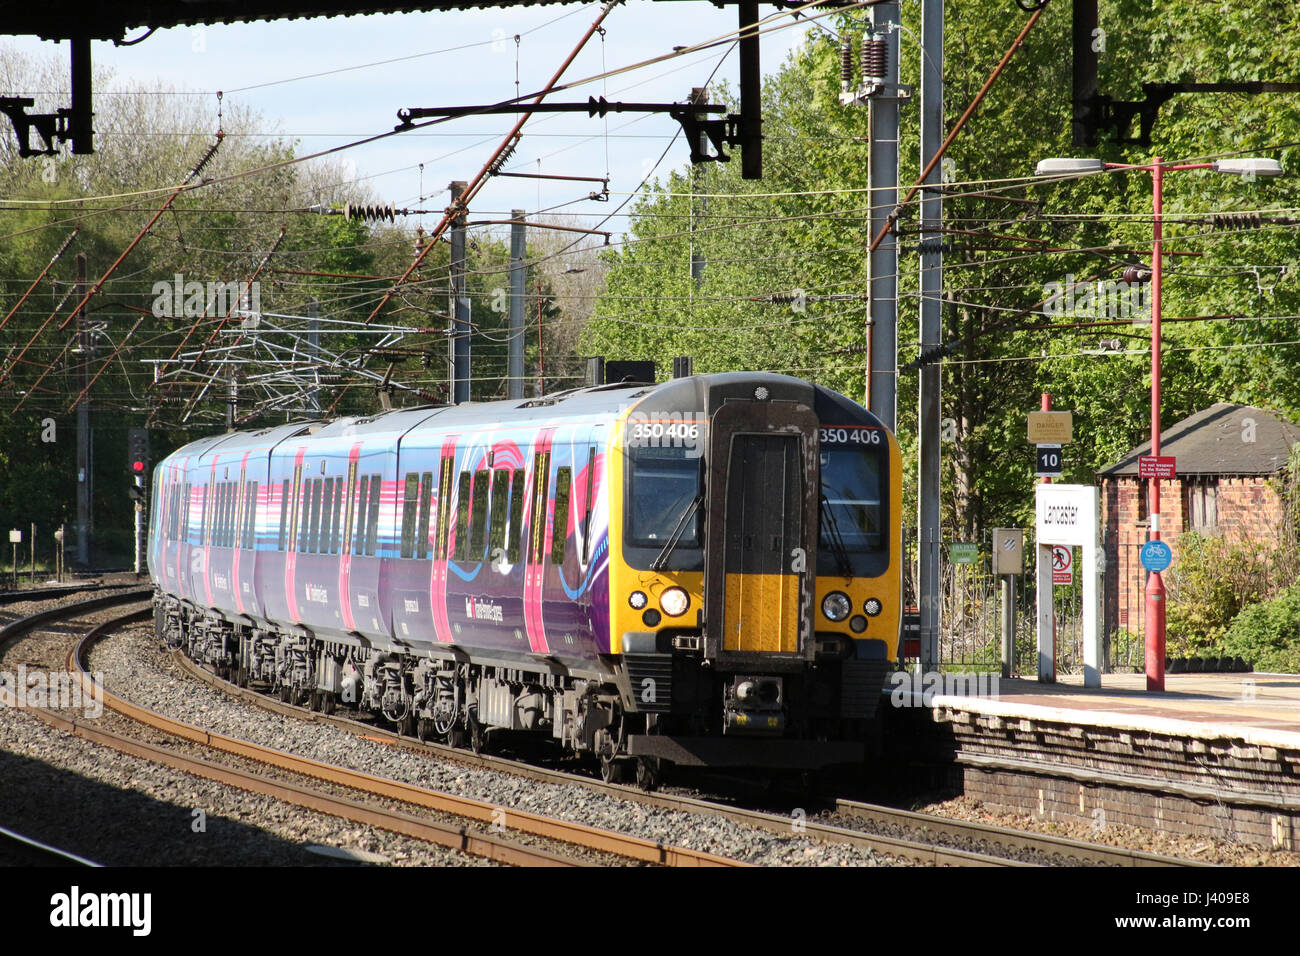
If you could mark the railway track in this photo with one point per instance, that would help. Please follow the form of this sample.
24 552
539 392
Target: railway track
17 849
924 851
463 837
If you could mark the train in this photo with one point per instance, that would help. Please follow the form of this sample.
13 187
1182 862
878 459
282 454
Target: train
703 572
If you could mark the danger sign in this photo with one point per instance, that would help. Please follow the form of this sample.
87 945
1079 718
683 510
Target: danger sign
1062 565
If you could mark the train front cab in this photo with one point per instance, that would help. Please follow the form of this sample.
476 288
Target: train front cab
789 624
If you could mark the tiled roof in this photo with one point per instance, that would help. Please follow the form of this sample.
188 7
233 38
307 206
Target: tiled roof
1224 439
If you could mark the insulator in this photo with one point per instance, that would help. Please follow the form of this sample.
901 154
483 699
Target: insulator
1237 221
846 63
875 58
368 212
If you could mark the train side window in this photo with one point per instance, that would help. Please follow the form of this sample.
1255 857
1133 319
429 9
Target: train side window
409 511
250 518
444 507
422 528
372 533
500 510
560 529
478 521
219 519
339 491
327 517
462 517
228 532
313 542
305 518
516 515
363 501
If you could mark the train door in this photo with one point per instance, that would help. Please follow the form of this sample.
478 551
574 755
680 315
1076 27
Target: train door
762 524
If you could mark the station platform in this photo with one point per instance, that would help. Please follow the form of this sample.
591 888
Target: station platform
1258 709
1213 754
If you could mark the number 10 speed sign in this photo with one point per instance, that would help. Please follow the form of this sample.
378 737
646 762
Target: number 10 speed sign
1048 461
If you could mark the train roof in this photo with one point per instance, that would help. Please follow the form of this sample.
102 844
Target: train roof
695 392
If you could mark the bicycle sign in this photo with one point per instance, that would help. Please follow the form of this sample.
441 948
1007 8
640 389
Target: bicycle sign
1156 556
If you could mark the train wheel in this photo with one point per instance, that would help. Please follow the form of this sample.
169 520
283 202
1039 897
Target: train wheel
285 693
477 735
456 738
613 769
327 703
649 773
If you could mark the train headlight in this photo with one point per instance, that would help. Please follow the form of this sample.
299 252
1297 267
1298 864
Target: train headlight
637 600
872 606
858 624
674 601
836 605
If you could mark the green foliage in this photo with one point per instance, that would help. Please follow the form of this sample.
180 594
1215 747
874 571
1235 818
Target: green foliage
804 228
1209 585
1268 634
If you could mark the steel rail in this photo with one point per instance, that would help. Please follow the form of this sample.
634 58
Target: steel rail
459 838
44 850
914 851
1008 838
593 838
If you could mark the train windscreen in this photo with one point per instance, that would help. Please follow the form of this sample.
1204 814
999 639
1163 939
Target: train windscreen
853 508
663 484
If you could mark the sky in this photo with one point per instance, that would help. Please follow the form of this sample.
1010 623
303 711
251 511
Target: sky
322 83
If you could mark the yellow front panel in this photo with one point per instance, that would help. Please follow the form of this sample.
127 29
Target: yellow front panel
762 613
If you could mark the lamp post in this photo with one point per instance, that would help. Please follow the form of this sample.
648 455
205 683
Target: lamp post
1070 168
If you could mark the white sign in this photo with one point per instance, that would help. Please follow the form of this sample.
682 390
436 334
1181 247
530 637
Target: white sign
1067 515
15 537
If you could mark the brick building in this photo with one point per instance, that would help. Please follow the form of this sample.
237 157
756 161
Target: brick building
1225 456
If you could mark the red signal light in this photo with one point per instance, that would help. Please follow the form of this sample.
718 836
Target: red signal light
137 466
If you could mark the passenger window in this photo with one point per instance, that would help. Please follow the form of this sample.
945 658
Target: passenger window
327 517
462 517
305 520
560 529
422 528
516 515
372 534
339 491
478 523
363 500
500 509
412 501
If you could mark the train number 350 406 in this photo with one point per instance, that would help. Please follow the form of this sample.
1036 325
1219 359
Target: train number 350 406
851 436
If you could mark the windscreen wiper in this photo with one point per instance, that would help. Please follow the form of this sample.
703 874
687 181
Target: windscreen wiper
835 538
661 561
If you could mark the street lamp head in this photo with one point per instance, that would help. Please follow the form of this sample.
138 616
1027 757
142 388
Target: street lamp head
1249 167
1068 167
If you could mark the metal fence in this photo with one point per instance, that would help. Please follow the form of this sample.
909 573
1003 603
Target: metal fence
971 617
